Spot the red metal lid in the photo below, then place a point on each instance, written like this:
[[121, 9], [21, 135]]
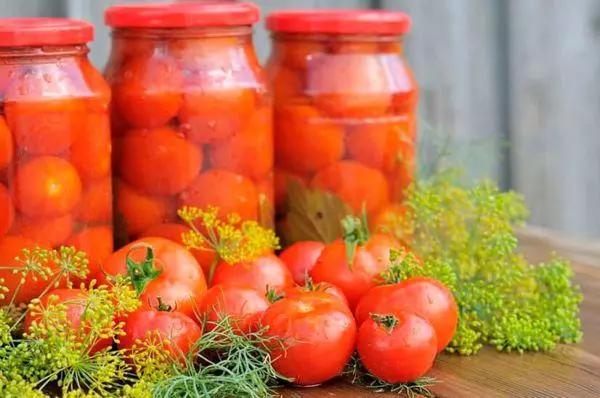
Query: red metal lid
[[367, 22], [17, 32], [181, 15]]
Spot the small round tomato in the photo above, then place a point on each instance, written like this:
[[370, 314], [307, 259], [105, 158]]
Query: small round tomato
[[205, 54], [52, 230], [230, 192], [266, 190], [398, 347], [173, 231], [97, 243], [76, 302], [47, 186], [317, 287], [305, 141], [243, 305], [7, 210], [178, 331], [377, 145], [425, 297], [6, 144], [139, 211], [41, 112], [312, 325], [356, 184], [90, 152], [358, 275], [285, 83], [267, 272], [301, 257], [96, 203], [249, 152], [147, 91], [350, 86], [299, 54], [215, 106], [158, 161], [165, 269], [11, 248]]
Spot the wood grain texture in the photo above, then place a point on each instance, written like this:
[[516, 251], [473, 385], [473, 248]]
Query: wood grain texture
[[554, 102], [457, 51], [568, 372]]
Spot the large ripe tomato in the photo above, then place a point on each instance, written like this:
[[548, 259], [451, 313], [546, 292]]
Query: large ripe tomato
[[324, 287], [318, 333], [158, 161], [76, 302], [12, 247], [179, 330], [267, 271], [230, 192], [173, 231], [397, 347], [301, 257], [147, 90], [426, 297], [356, 277], [243, 306], [306, 141], [168, 271], [47, 186], [356, 184]]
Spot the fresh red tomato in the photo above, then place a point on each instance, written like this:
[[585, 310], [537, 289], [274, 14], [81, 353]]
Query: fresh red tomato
[[301, 257], [398, 347], [318, 332], [242, 304], [267, 271], [178, 329], [318, 287], [425, 297], [76, 302], [164, 269], [358, 275]]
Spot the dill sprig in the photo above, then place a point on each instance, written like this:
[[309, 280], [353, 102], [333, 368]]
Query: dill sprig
[[358, 375], [227, 363]]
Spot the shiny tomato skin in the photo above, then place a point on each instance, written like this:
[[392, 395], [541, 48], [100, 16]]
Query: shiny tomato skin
[[318, 287], [54, 230], [96, 243], [75, 300], [181, 283], [267, 271], [96, 205], [321, 333], [243, 305], [7, 210], [179, 329], [301, 257], [6, 144], [401, 355], [357, 279], [426, 297]]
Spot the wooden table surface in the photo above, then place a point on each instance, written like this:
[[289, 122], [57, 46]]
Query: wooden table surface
[[569, 371]]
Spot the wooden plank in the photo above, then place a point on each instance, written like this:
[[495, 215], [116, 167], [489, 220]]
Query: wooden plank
[[457, 53], [569, 371], [554, 102]]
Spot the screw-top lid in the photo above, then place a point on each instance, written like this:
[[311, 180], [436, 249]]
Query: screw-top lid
[[17, 32], [366, 22], [181, 15]]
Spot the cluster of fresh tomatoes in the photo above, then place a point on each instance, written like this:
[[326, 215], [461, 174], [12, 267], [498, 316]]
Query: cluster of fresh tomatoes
[[191, 127], [321, 303], [55, 158], [344, 119]]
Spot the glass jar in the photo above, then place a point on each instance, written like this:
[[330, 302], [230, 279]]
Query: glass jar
[[344, 118], [55, 148], [191, 115]]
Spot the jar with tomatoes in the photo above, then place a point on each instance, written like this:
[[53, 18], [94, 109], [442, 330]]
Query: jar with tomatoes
[[344, 118], [55, 147], [191, 114]]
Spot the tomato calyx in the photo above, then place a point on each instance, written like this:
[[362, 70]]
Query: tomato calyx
[[387, 321], [273, 296], [144, 272], [356, 233], [162, 307]]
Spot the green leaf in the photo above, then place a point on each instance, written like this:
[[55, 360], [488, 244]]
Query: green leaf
[[144, 272]]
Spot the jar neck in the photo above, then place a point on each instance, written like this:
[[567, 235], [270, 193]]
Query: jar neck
[[181, 33], [43, 52], [320, 38]]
